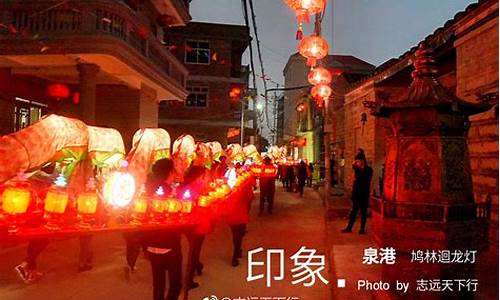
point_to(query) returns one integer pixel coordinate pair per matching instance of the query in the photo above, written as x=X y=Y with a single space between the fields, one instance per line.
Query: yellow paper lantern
x=87 y=203
x=226 y=190
x=174 y=206
x=15 y=200
x=56 y=201
x=158 y=205
x=204 y=201
x=187 y=207
x=140 y=205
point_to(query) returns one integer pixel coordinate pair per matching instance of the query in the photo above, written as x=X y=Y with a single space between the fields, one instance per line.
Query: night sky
x=372 y=30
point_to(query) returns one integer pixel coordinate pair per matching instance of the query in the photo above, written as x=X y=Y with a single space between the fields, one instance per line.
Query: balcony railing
x=90 y=18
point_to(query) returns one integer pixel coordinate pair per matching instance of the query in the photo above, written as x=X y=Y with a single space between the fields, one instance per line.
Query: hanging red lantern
x=321 y=91
x=300 y=107
x=235 y=93
x=76 y=97
x=313 y=48
x=319 y=75
x=303 y=9
x=58 y=91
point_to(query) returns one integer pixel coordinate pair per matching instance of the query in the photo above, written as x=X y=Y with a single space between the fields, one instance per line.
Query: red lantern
x=321 y=91
x=58 y=91
x=300 y=107
x=319 y=75
x=313 y=48
x=303 y=9
x=76 y=97
x=235 y=93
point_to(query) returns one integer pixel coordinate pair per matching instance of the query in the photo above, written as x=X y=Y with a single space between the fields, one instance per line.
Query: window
x=26 y=113
x=198 y=97
x=197 y=52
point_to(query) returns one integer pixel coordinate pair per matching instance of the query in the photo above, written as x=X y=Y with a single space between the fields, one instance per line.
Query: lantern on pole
x=313 y=48
x=15 y=201
x=187 y=202
x=87 y=205
x=321 y=91
x=56 y=202
x=119 y=189
x=158 y=206
x=174 y=206
x=319 y=75
x=139 y=208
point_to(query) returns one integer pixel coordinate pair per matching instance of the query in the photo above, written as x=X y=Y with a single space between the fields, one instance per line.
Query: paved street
x=297 y=222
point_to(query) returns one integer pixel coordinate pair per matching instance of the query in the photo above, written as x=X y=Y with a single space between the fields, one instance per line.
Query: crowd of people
x=162 y=247
x=294 y=177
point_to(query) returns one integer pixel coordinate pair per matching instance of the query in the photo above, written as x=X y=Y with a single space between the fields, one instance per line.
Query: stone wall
x=477 y=77
x=358 y=135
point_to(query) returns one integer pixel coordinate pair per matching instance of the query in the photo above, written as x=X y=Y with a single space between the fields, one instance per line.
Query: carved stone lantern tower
x=427 y=201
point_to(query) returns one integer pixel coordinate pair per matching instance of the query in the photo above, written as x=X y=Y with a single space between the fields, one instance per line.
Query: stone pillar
x=148 y=107
x=87 y=83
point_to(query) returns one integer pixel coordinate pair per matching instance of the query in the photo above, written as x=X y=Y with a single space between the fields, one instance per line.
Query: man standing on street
x=302 y=177
x=360 y=191
x=267 y=188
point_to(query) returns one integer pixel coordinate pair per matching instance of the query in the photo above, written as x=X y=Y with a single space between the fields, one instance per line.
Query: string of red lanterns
x=313 y=48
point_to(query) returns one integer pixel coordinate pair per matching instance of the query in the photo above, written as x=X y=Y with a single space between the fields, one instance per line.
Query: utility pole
x=244 y=4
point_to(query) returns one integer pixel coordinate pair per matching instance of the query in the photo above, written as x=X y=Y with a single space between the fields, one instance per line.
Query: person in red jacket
x=195 y=183
x=238 y=216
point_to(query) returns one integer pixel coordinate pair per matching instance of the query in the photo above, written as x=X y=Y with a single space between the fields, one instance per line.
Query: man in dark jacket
x=302 y=177
x=360 y=191
x=163 y=247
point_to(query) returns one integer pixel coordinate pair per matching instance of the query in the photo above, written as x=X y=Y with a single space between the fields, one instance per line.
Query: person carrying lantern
x=267 y=186
x=238 y=216
x=41 y=182
x=194 y=185
x=160 y=170
x=163 y=247
x=222 y=167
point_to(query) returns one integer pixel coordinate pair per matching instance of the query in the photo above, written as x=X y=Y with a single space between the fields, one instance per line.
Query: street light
x=259 y=106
